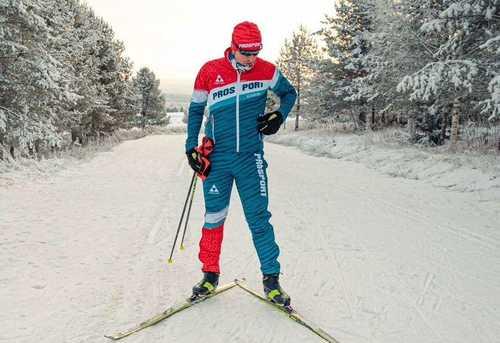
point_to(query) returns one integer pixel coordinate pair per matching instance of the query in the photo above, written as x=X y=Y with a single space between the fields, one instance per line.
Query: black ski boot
x=206 y=286
x=273 y=290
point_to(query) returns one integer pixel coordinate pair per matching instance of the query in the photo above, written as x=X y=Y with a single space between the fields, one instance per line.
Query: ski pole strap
x=207 y=147
x=206 y=166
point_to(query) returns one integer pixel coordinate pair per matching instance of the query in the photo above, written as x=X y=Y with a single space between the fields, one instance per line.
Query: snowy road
x=368 y=257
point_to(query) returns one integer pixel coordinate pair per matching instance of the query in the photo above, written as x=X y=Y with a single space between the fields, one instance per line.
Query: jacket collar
x=229 y=58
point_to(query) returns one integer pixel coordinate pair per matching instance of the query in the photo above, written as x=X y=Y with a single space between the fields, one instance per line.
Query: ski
x=291 y=313
x=169 y=312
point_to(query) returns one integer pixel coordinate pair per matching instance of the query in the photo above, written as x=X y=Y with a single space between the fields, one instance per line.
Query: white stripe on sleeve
x=199 y=96
x=274 y=81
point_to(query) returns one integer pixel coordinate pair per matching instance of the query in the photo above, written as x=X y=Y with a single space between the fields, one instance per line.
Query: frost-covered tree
x=424 y=62
x=463 y=66
x=322 y=102
x=60 y=67
x=345 y=35
x=33 y=83
x=105 y=81
x=297 y=58
x=114 y=72
x=398 y=48
x=491 y=50
x=151 y=99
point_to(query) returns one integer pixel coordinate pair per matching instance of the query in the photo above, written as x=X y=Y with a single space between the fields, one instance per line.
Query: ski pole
x=188 y=214
x=182 y=217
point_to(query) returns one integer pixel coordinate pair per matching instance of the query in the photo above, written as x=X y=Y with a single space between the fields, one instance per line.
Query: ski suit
x=235 y=99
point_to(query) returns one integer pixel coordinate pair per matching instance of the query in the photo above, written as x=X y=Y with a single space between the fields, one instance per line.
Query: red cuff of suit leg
x=210 y=247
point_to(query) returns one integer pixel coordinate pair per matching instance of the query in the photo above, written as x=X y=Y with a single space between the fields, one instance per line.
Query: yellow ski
x=168 y=313
x=292 y=314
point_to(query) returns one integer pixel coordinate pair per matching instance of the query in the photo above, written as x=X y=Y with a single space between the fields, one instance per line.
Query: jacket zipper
x=213 y=127
x=238 y=76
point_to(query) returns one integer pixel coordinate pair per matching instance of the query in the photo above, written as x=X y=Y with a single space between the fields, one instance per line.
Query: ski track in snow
x=369 y=258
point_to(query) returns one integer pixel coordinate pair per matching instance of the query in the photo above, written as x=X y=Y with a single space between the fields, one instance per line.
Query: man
x=235 y=89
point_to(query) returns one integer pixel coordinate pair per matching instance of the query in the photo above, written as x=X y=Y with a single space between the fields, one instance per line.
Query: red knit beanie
x=246 y=36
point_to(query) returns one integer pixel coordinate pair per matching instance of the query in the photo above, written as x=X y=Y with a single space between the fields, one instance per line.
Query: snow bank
x=386 y=153
x=22 y=168
x=176 y=121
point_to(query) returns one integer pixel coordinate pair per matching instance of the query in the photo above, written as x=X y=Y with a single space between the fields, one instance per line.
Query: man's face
x=244 y=58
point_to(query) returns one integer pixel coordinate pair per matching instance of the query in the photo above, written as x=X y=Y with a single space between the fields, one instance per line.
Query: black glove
x=199 y=163
x=198 y=158
x=270 y=123
x=195 y=161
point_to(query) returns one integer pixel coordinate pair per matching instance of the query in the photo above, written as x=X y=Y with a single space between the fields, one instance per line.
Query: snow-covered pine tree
x=322 y=104
x=151 y=99
x=399 y=48
x=114 y=72
x=59 y=20
x=33 y=86
x=383 y=55
x=297 y=58
x=102 y=74
x=347 y=47
x=60 y=67
x=491 y=48
x=462 y=69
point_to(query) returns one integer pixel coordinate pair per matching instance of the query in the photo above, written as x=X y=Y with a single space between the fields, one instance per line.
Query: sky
x=175 y=38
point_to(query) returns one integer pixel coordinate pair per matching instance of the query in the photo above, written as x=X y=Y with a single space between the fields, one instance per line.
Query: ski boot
x=274 y=292
x=206 y=286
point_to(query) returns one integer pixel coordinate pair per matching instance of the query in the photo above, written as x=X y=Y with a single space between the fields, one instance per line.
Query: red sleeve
x=201 y=83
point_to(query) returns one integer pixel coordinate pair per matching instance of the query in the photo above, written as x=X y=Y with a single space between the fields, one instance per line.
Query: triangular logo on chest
x=219 y=80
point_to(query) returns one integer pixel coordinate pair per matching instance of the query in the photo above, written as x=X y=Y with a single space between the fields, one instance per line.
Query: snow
x=465 y=172
x=176 y=120
x=368 y=257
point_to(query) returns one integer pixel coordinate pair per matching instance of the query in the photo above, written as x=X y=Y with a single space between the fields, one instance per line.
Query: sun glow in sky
x=175 y=37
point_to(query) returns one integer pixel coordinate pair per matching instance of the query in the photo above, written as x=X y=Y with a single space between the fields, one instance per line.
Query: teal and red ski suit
x=235 y=100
